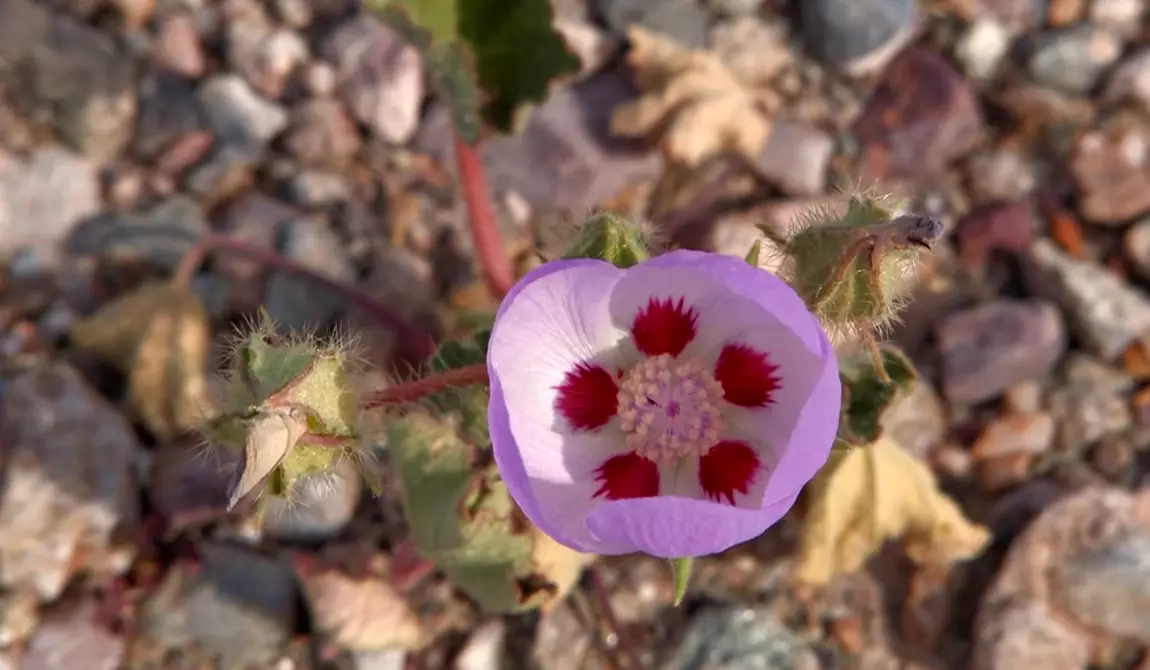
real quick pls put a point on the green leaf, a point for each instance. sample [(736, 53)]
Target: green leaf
[(753, 255), (517, 53), (681, 569), (865, 397), (439, 18)]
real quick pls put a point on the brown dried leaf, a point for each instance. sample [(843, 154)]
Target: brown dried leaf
[(698, 106), (270, 435), (360, 614), (160, 336), (877, 493), (558, 564)]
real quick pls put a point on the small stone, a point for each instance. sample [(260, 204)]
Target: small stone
[(1066, 12), (1113, 457), (917, 420), (1073, 59), (239, 116), (226, 173), (987, 349), (239, 607), (72, 640), (296, 303), (254, 219), (313, 188), (1001, 227), (319, 79), (1018, 16), (795, 158), (189, 481), (754, 50), (322, 134), (1105, 312), (982, 47), (43, 198), (740, 639), (295, 13), (1136, 243), (1001, 174), (857, 36), (1111, 168), (80, 81), (380, 75), (921, 116), (69, 484), (178, 47), (681, 20), (1122, 17), (484, 648), (562, 641), (1091, 405), (1023, 398), (1131, 80), (168, 111), (263, 54), (160, 234), (1016, 440)]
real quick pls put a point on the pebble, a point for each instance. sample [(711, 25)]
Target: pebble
[(795, 158), (264, 54), (159, 234), (1131, 80), (484, 648), (189, 480), (1111, 167), (755, 50), (682, 20), (253, 218), (238, 606), (322, 134), (79, 81), (73, 640), (1136, 243), (917, 419), (561, 641), (41, 199), (178, 48), (1122, 17), (1092, 404), (238, 115), (857, 36), (314, 188), (1001, 174), (1018, 439), (982, 47), (1017, 15), (297, 303), (1072, 60), (1006, 227), (169, 111), (990, 348), (319, 79), (1103, 311), (380, 75), (740, 639), (921, 116), (70, 482)]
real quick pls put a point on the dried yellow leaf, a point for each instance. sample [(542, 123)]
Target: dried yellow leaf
[(160, 336), (692, 99), (877, 493), (361, 614), (561, 565)]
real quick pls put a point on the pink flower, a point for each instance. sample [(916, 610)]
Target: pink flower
[(674, 408)]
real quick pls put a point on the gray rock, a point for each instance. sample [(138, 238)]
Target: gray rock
[(297, 303), (322, 134), (795, 158), (740, 639), (1131, 80), (168, 111), (1109, 587), (160, 234), (24, 25), (227, 169), (262, 52), (982, 47), (69, 482), (239, 607), (1104, 311), (682, 20), (990, 348), (1092, 404), (1073, 59), (79, 81), (238, 115), (856, 35), (43, 198), (314, 188), (73, 640), (1122, 17), (380, 75)]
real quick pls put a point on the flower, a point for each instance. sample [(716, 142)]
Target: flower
[(674, 408)]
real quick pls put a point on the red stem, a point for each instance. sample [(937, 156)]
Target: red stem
[(421, 344), (481, 216), (397, 395)]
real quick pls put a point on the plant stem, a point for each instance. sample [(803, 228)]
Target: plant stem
[(420, 388), (420, 343), (602, 598), (481, 216)]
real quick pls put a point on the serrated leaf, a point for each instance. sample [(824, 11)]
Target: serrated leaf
[(866, 397)]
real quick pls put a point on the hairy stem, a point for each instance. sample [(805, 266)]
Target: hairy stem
[(420, 343), (420, 388), (496, 266), (601, 596)]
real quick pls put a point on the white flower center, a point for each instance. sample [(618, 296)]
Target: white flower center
[(670, 409)]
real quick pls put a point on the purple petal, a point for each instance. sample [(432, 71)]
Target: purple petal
[(674, 527)]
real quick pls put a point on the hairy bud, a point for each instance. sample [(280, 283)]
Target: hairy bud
[(612, 238)]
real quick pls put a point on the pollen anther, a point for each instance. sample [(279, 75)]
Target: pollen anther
[(669, 409)]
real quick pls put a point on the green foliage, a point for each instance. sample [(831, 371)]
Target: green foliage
[(609, 237), (498, 55), (866, 397), (681, 573)]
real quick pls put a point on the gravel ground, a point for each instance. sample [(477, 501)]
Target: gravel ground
[(131, 129)]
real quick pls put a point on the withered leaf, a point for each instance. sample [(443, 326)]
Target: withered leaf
[(873, 494), (698, 106), (270, 436), (160, 336), (361, 614)]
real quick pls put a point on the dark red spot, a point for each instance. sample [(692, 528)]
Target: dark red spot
[(664, 327), (588, 397), (627, 476), (747, 376), (728, 467)]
